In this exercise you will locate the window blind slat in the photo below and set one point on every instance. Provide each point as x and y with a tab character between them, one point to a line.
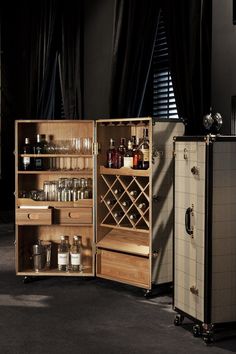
164	104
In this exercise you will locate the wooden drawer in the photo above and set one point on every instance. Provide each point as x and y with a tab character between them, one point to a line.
123	267
73	216
33	217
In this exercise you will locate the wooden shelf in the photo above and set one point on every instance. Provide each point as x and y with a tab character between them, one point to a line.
56	272
124	171
57	172
57	155
31	202
128	228
126	241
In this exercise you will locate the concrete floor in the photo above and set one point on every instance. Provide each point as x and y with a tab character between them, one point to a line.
86	316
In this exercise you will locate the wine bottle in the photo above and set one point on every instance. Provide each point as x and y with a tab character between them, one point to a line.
142	206
118	214
144	148
133	193
134	216
37	150
128	156
118	191
111	201
137	157
126	203
110	154
26	160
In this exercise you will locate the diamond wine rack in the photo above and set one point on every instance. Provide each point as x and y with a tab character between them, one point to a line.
126	200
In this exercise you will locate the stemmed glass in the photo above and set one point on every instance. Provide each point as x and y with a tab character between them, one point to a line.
87	150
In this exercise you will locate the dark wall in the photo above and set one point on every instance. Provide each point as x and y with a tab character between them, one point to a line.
223	60
98	19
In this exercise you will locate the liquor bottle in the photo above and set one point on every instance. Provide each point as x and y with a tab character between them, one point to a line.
137	157
128	156
117	159
122	150
126	203
63	255
118	214
26	160
144	148
110	154
75	254
122	147
142	206
37	150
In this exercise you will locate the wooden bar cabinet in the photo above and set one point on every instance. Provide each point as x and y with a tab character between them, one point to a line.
132	251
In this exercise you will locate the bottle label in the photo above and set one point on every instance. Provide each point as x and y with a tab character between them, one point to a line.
145	154
128	161
63	258
75	259
38	163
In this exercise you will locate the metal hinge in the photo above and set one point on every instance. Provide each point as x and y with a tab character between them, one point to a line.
95	250
95	148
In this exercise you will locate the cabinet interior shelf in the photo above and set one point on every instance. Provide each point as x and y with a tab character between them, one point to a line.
30	202
56	272
128	228
57	155
123	171
127	241
81	172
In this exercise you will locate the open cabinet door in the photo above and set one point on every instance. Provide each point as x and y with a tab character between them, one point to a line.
123	227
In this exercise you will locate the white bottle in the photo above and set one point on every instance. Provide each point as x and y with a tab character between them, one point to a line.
75	254
63	255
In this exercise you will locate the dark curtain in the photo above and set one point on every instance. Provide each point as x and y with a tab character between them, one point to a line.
135	25
189	41
55	60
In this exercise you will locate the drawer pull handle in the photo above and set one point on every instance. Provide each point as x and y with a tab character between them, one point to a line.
73	215
33	216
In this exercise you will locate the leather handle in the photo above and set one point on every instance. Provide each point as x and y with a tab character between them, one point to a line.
188	221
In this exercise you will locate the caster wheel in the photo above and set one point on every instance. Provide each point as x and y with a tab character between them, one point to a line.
196	331
208	339
178	320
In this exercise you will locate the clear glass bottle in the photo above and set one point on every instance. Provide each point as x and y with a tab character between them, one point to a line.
26	160
75	254
63	255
